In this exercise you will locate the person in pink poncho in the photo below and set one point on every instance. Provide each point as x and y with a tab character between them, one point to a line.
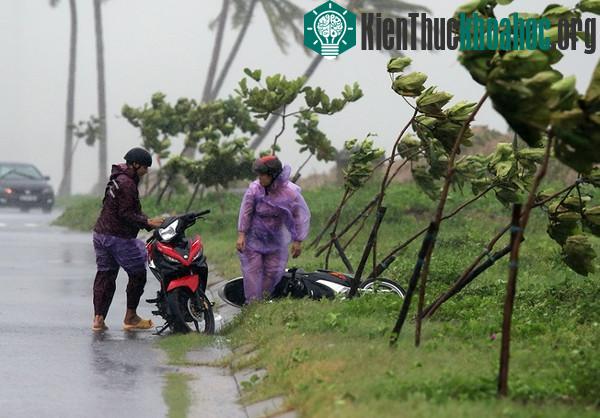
273	214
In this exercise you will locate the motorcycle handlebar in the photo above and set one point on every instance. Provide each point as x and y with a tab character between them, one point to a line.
193	215
199	214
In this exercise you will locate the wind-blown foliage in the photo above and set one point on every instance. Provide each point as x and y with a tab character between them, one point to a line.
277	94
207	127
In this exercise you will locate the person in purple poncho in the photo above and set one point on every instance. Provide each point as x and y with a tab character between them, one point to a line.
273	213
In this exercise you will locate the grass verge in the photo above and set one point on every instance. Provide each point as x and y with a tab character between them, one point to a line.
332	359
177	395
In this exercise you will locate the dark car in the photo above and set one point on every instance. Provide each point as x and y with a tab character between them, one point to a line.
23	186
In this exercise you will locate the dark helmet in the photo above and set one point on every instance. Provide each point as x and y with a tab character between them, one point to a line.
138	155
268	165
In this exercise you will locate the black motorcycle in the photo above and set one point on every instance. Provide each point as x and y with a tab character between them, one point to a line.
180	266
297	283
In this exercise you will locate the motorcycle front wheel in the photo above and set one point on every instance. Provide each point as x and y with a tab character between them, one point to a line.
190	312
382	286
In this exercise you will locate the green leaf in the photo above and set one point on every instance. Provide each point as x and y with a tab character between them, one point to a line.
535	155
478	64
243	86
255	75
273	81
525	63
352	93
312	96
468	8
425	182
503	169
408	147
592	6
410	85
461	111
578	139
592	95
432	101
566	94
396	65
556	10
578	254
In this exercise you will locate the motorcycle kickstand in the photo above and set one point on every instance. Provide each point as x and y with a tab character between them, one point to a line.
162	329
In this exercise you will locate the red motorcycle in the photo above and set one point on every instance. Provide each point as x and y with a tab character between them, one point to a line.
180	266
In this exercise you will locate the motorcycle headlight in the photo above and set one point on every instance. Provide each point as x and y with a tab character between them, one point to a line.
167	233
171	259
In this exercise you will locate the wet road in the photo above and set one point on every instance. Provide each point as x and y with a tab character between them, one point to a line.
51	363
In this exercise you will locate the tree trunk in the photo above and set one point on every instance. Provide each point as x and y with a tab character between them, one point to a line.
514	257
273	118
234	51
212	69
102	135
190	150
65	185
509	301
424	257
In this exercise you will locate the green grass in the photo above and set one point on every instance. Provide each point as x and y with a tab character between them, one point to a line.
332	359
177	395
177	346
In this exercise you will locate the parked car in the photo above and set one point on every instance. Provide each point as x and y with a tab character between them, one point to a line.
23	186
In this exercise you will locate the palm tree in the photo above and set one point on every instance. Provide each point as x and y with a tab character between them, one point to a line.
221	21
65	185
102	137
283	15
212	69
388	8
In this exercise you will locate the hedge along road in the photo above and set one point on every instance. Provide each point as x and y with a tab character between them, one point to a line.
51	363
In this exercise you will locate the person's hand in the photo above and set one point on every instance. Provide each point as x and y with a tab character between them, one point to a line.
156	222
241	242
296	249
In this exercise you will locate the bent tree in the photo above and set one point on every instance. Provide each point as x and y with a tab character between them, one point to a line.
544	108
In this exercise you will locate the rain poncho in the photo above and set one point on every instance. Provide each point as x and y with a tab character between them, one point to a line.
271	218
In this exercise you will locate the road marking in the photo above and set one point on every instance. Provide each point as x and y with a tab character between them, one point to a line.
2	225
30	225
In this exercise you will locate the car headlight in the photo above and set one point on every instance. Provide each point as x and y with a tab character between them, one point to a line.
47	190
167	233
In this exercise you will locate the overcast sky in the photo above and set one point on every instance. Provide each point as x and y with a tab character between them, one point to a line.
165	45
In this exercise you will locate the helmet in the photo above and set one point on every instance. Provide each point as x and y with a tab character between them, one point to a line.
268	165
138	155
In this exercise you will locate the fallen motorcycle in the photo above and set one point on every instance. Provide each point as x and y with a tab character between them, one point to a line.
296	283
179	264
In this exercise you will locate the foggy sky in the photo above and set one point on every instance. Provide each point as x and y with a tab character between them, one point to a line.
165	45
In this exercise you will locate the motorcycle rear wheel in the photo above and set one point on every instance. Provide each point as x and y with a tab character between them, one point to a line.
190	312
382	286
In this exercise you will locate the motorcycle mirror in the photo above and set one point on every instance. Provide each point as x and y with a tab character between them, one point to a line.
202	213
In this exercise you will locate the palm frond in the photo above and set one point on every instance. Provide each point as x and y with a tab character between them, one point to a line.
284	16
213	23
287	9
277	26
240	10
